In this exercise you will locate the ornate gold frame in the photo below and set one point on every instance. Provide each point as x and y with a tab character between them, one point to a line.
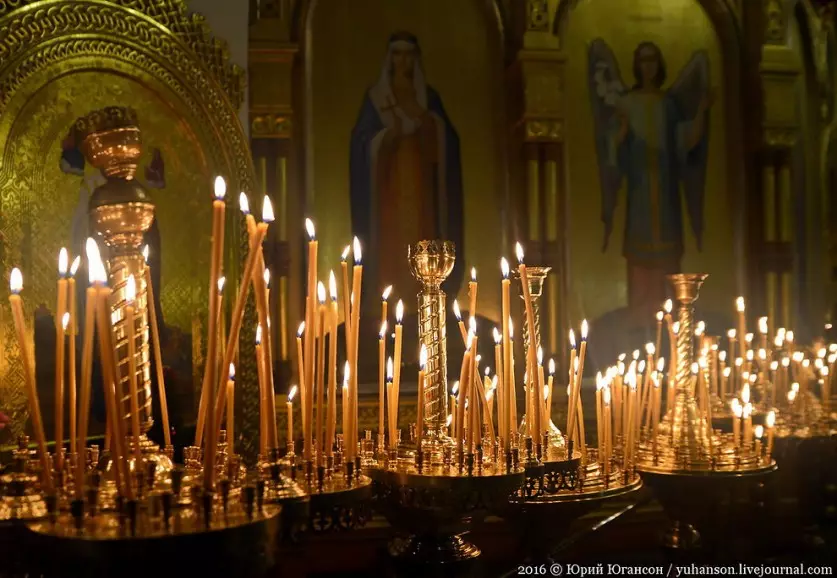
158	44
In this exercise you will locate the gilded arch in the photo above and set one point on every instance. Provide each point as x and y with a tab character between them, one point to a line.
154	53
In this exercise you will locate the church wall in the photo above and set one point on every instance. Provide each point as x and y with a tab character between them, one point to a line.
679	27
463	61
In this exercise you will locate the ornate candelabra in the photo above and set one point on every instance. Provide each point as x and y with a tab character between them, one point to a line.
685	457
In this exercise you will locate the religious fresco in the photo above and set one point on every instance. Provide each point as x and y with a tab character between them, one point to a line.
405	160
447	173
648	85
655	140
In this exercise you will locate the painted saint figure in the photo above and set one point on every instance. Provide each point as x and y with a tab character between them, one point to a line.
406	180
656	140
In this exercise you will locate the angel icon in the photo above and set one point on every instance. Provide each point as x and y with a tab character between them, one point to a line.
655	139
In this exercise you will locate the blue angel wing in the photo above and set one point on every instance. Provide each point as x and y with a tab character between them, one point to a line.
606	88
687	92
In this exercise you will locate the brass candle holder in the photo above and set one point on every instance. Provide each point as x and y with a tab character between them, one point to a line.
690	465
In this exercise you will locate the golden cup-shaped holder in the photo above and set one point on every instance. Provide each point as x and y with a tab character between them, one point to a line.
687	286
110	140
431	261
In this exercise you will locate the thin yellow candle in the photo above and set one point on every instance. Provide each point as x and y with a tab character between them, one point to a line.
130	337
579	376
382	346
769	422
747	413
508	393
300	359
658	341
607	429
571	381
60	331
656	418
347	371
463	390
646	386
215	263
500	394
396	382
599	417
16	285
472	293
420	398
357	290
741	307
263	411
473	405
155	337
289	406
231	411
391	424
539	398
628	450
331	412
308	391
550	380
72	389
205	393
530	318
512	385
384	297
321	351
453	391
737	412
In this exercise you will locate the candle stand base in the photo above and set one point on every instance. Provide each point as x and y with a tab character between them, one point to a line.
339	500
436	507
20	503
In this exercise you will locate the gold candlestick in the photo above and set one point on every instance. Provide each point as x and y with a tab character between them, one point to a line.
431	262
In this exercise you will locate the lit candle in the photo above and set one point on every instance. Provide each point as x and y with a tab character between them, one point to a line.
71	297
576	402
658	342
344	268
748	424
215	264
309	340
347	371
599	418
300	359
512	389
498	364
357	292
16	285
608	438
155	337
453	391
382	346
463	390
332	368
396	382
321	370
646	385
759	432
263	411
131	337
289	407
458	314
737	411
571	382
94	269
506	365
549	397
60	330
770	422
763	332
391	415
742	321
628	450
231	411
420	399
656	420
472	293
530	319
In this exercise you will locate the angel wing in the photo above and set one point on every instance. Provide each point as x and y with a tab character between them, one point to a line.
690	88
606	88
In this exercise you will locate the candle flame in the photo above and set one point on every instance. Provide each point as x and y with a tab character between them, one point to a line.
347	371
739	361
292	393
694	368
551	367
727	371
737	410
774	365
399	312
770	421
667	305
497	337
650	349
584	330
131	290
356	251
243	203
758	431
146	251
259	334
739	304
518	250
659	316
456	311
455	387
763	325
635	354
63	261
309	228
504	268
474	274
383	332
661	364
822	352
599	381
422	357
221	282
798	356
267	210
748	338
332	286
731	334
606	396
700	329
321	292
748	410
511	328
65	320
641	366
386	293
232	371
722	356
762	354
487	371
266	277
301	329
449	420
345	255
824	371
472	324
749	355
792	395
540	354
745	393
220	188
789	336
572	338
675	327
74	267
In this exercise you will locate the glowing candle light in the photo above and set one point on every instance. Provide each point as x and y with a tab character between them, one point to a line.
130	336
759	432
501	385
658	341
458	314
384	302
72	389
347	371
300	358
322	330
231	411
549	383
420	399
740	307
344	268
392	412
382	334
331	411
770	422
396	383
357	292
472	293
308	391
263	410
